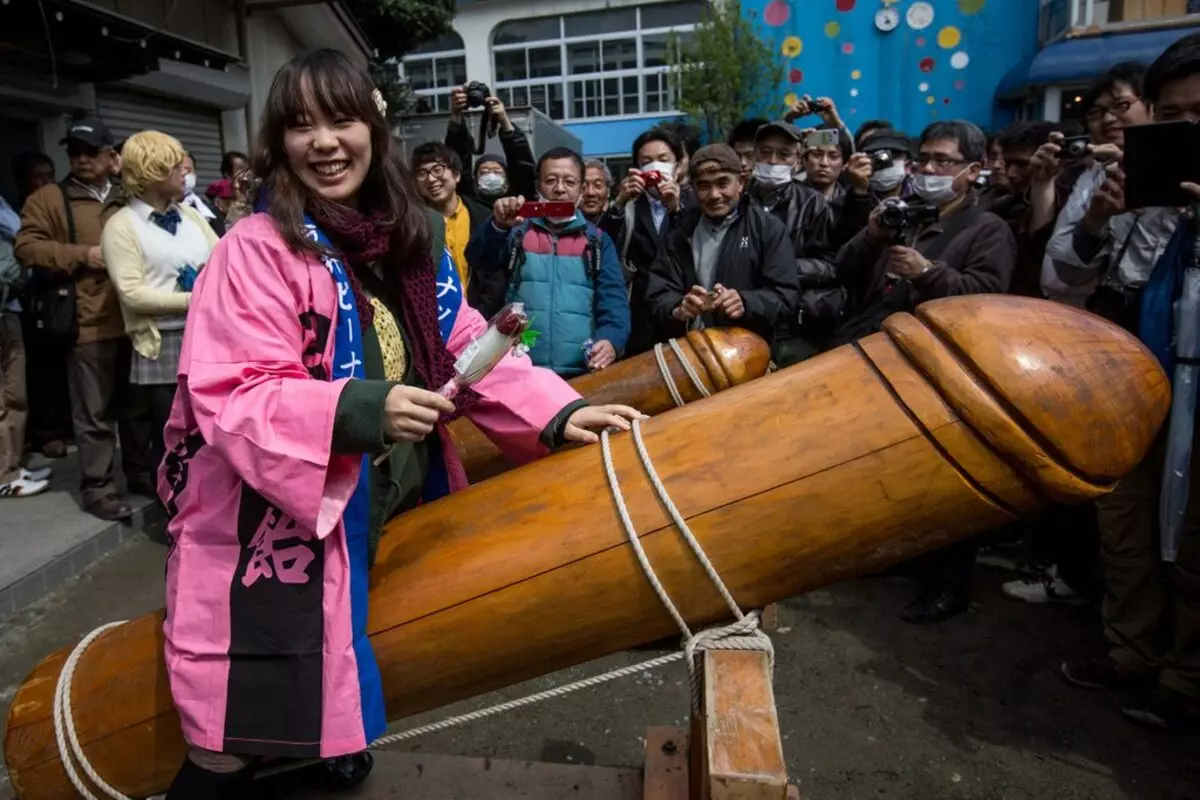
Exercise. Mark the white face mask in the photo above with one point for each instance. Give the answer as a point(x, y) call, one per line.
point(490, 183)
point(935, 189)
point(888, 178)
point(664, 168)
point(189, 183)
point(772, 174)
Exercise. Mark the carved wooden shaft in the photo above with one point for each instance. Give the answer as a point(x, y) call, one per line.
point(948, 423)
point(720, 357)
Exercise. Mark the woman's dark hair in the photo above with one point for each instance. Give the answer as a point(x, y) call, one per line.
point(227, 162)
point(340, 89)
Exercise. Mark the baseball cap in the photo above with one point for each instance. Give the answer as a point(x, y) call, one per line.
point(793, 132)
point(90, 131)
point(714, 158)
point(887, 139)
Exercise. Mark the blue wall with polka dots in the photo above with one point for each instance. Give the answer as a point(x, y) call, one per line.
point(942, 59)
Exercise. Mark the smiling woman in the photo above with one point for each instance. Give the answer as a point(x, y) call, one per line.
point(312, 335)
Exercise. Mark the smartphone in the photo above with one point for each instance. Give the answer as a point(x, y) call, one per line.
point(821, 138)
point(652, 178)
point(532, 210)
point(1157, 158)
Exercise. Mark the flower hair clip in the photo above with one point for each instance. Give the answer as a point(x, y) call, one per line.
point(380, 103)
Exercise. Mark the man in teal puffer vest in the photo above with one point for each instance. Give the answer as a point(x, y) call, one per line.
point(564, 269)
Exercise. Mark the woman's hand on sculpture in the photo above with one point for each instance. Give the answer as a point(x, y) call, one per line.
point(582, 426)
point(409, 413)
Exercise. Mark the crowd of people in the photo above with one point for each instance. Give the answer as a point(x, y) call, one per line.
point(796, 228)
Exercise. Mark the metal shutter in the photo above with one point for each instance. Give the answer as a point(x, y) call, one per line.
point(197, 127)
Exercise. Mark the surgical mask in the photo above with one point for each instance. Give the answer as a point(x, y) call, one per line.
point(664, 168)
point(556, 220)
point(490, 183)
point(887, 178)
point(935, 189)
point(189, 183)
point(773, 174)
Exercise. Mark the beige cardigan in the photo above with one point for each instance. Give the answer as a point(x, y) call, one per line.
point(127, 270)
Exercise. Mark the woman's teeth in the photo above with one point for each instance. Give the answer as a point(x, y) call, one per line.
point(331, 169)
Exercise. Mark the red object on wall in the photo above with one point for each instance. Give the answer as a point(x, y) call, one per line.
point(926, 65)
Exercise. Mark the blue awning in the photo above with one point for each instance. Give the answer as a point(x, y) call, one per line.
point(1087, 57)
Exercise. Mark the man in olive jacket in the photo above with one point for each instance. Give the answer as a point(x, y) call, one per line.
point(62, 247)
point(727, 262)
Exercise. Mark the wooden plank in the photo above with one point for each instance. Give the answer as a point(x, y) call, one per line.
point(741, 754)
point(666, 772)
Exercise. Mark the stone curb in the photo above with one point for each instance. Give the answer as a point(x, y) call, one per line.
point(48, 577)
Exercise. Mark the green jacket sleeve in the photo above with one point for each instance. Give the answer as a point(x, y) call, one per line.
point(358, 420)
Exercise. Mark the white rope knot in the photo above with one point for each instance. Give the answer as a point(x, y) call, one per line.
point(660, 356)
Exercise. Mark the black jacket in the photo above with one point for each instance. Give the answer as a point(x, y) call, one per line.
point(755, 260)
point(809, 222)
point(645, 243)
point(485, 290)
point(521, 169)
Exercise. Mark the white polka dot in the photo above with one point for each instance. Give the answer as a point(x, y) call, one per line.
point(923, 87)
point(960, 60)
point(854, 92)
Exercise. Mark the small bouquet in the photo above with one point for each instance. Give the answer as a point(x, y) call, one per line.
point(508, 331)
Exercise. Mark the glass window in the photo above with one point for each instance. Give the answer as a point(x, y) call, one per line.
point(655, 45)
point(583, 57)
point(545, 62)
point(659, 93)
point(668, 15)
point(594, 23)
point(620, 54)
point(629, 95)
point(510, 65)
point(527, 30)
point(420, 73)
point(451, 72)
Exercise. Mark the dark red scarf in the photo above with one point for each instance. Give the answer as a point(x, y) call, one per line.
point(362, 241)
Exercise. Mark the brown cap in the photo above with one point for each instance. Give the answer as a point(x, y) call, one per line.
point(714, 158)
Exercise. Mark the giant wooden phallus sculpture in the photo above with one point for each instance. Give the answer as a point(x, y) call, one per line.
point(948, 422)
point(719, 358)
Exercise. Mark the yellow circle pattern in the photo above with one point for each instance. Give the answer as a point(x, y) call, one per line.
point(948, 37)
point(856, 74)
point(790, 99)
point(930, 100)
point(832, 29)
point(792, 46)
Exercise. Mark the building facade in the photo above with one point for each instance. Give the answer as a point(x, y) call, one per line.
point(197, 69)
point(599, 66)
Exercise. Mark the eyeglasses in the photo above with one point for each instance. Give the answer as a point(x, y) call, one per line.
point(431, 171)
point(1119, 108)
point(938, 160)
point(553, 181)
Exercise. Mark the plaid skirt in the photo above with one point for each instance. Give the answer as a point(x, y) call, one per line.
point(163, 370)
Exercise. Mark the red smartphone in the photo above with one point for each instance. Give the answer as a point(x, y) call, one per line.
point(652, 178)
point(532, 210)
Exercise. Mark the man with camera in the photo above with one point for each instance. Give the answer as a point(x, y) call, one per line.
point(807, 219)
point(487, 176)
point(1151, 609)
point(648, 206)
point(727, 262)
point(841, 176)
point(943, 244)
point(563, 268)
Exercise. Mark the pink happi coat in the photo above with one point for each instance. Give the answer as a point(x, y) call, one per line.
point(258, 633)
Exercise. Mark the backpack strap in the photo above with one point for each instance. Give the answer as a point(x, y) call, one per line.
point(594, 252)
point(62, 187)
point(516, 254)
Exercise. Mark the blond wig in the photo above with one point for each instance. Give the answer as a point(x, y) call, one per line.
point(149, 158)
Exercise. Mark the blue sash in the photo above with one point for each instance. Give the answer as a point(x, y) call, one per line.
point(348, 363)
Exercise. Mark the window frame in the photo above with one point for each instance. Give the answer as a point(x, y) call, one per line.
point(569, 80)
point(433, 58)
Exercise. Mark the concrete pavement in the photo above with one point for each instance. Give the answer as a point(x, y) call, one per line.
point(972, 709)
point(45, 540)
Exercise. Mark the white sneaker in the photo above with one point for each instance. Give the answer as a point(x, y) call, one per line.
point(1045, 588)
point(22, 487)
point(39, 474)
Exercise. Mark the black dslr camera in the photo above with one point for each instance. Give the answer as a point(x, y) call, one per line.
point(477, 94)
point(1075, 146)
point(898, 216)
